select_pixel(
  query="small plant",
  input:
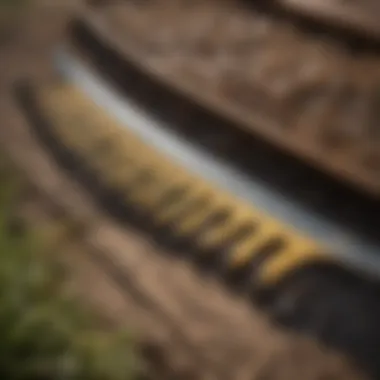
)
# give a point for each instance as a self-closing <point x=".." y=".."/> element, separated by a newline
<point x="44" y="333"/>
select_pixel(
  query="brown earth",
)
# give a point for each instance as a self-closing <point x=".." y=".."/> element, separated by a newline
<point x="194" y="328"/>
<point x="264" y="73"/>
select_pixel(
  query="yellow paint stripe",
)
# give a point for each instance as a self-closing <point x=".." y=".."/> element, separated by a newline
<point x="146" y="197"/>
<point x="293" y="257"/>
<point x="244" y="251"/>
<point x="120" y="157"/>
<point x="217" y="235"/>
<point x="175" y="208"/>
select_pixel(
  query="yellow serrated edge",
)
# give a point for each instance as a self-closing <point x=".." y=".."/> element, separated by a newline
<point x="120" y="157"/>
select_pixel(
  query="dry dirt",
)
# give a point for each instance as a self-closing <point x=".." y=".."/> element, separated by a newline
<point x="192" y="323"/>
<point x="262" y="72"/>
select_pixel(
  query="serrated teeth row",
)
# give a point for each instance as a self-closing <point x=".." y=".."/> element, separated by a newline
<point x="193" y="209"/>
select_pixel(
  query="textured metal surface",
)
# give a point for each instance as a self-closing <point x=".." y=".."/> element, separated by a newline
<point x="341" y="243"/>
<point x="148" y="179"/>
<point x="342" y="240"/>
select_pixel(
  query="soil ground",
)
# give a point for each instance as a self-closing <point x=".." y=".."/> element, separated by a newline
<point x="254" y="69"/>
<point x="193" y="328"/>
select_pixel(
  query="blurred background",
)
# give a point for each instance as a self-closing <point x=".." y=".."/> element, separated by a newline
<point x="93" y="289"/>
